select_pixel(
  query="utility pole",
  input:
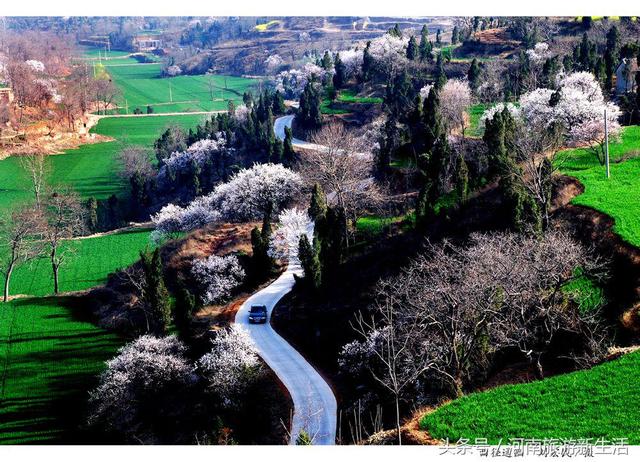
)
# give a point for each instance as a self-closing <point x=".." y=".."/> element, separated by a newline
<point x="606" y="143"/>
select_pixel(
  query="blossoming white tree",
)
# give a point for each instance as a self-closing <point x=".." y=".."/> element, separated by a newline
<point x="493" y="110"/>
<point x="291" y="83"/>
<point x="578" y="106"/>
<point x="455" y="98"/>
<point x="217" y="277"/>
<point x="389" y="51"/>
<point x="273" y="63"/>
<point x="292" y="224"/>
<point x="231" y="365"/>
<point x="248" y="195"/>
<point x="143" y="374"/>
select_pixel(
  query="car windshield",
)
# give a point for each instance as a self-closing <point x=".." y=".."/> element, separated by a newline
<point x="258" y="309"/>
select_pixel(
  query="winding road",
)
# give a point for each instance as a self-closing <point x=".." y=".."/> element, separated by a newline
<point x="314" y="405"/>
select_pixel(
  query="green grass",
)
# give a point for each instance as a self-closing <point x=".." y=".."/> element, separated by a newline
<point x="326" y="107"/>
<point x="475" y="112"/>
<point x="50" y="358"/>
<point x="89" y="263"/>
<point x="350" y="96"/>
<point x="142" y="86"/>
<point x="599" y="402"/>
<point x="92" y="169"/>
<point x="585" y="292"/>
<point x="618" y="196"/>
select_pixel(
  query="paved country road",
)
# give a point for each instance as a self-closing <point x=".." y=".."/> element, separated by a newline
<point x="314" y="405"/>
<point x="286" y="121"/>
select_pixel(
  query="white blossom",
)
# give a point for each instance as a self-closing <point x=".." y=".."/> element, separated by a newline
<point x="253" y="191"/>
<point x="35" y="65"/>
<point x="174" y="70"/>
<point x="231" y="365"/>
<point x="352" y="60"/>
<point x="291" y="83"/>
<point x="241" y="113"/>
<point x="539" y="53"/>
<point x="424" y="91"/>
<point x="455" y="98"/>
<point x="273" y="63"/>
<point x="389" y="50"/>
<point x="493" y="110"/>
<point x="141" y="371"/>
<point x="217" y="277"/>
<point x="292" y="224"/>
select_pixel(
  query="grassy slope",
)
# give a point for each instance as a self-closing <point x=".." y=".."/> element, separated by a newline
<point x="50" y="357"/>
<point x="594" y="403"/>
<point x="618" y="196"/>
<point x="89" y="263"/>
<point x="92" y="168"/>
<point x="141" y="86"/>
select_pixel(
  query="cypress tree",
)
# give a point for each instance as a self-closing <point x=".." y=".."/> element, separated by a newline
<point x="395" y="31"/>
<point x="455" y="35"/>
<point x="288" y="154"/>
<point x="367" y="63"/>
<point x="184" y="308"/>
<point x="156" y="295"/>
<point x="318" y="205"/>
<point x="92" y="214"/>
<point x="339" y="77"/>
<point x="310" y="262"/>
<point x="425" y="46"/>
<point x="474" y="74"/>
<point x="412" y="49"/>
<point x="462" y="179"/>
<point x="327" y="62"/>
<point x="438" y="39"/>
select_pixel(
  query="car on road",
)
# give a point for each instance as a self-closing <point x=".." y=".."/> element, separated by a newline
<point x="258" y="314"/>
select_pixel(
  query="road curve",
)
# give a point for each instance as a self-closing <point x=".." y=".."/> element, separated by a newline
<point x="285" y="121"/>
<point x="314" y="405"/>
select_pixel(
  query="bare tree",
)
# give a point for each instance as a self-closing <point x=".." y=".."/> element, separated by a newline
<point x="64" y="218"/>
<point x="135" y="161"/>
<point x="21" y="238"/>
<point x="447" y="315"/>
<point x="537" y="150"/>
<point x="37" y="169"/>
<point x="106" y="93"/>
<point x="342" y="168"/>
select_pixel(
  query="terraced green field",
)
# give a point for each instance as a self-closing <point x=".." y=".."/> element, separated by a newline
<point x="92" y="169"/>
<point x="601" y="402"/>
<point x="142" y="86"/>
<point x="50" y="356"/>
<point x="618" y="196"/>
<point x="89" y="263"/>
<point x="475" y="112"/>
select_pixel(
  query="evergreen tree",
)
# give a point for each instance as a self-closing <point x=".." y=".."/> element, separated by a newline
<point x="438" y="39"/>
<point x="550" y="70"/>
<point x="412" y="49"/>
<point x="339" y="78"/>
<point x="92" y="214"/>
<point x="474" y="74"/>
<point x="367" y="63"/>
<point x="611" y="56"/>
<point x="310" y="262"/>
<point x="327" y="62"/>
<point x="278" y="107"/>
<point x="462" y="179"/>
<point x="455" y="35"/>
<point x="288" y="154"/>
<point x="309" y="111"/>
<point x="185" y="306"/>
<point x="318" y="205"/>
<point x="155" y="294"/>
<point x="425" y="46"/>
<point x="441" y="76"/>
<point x="395" y="31"/>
